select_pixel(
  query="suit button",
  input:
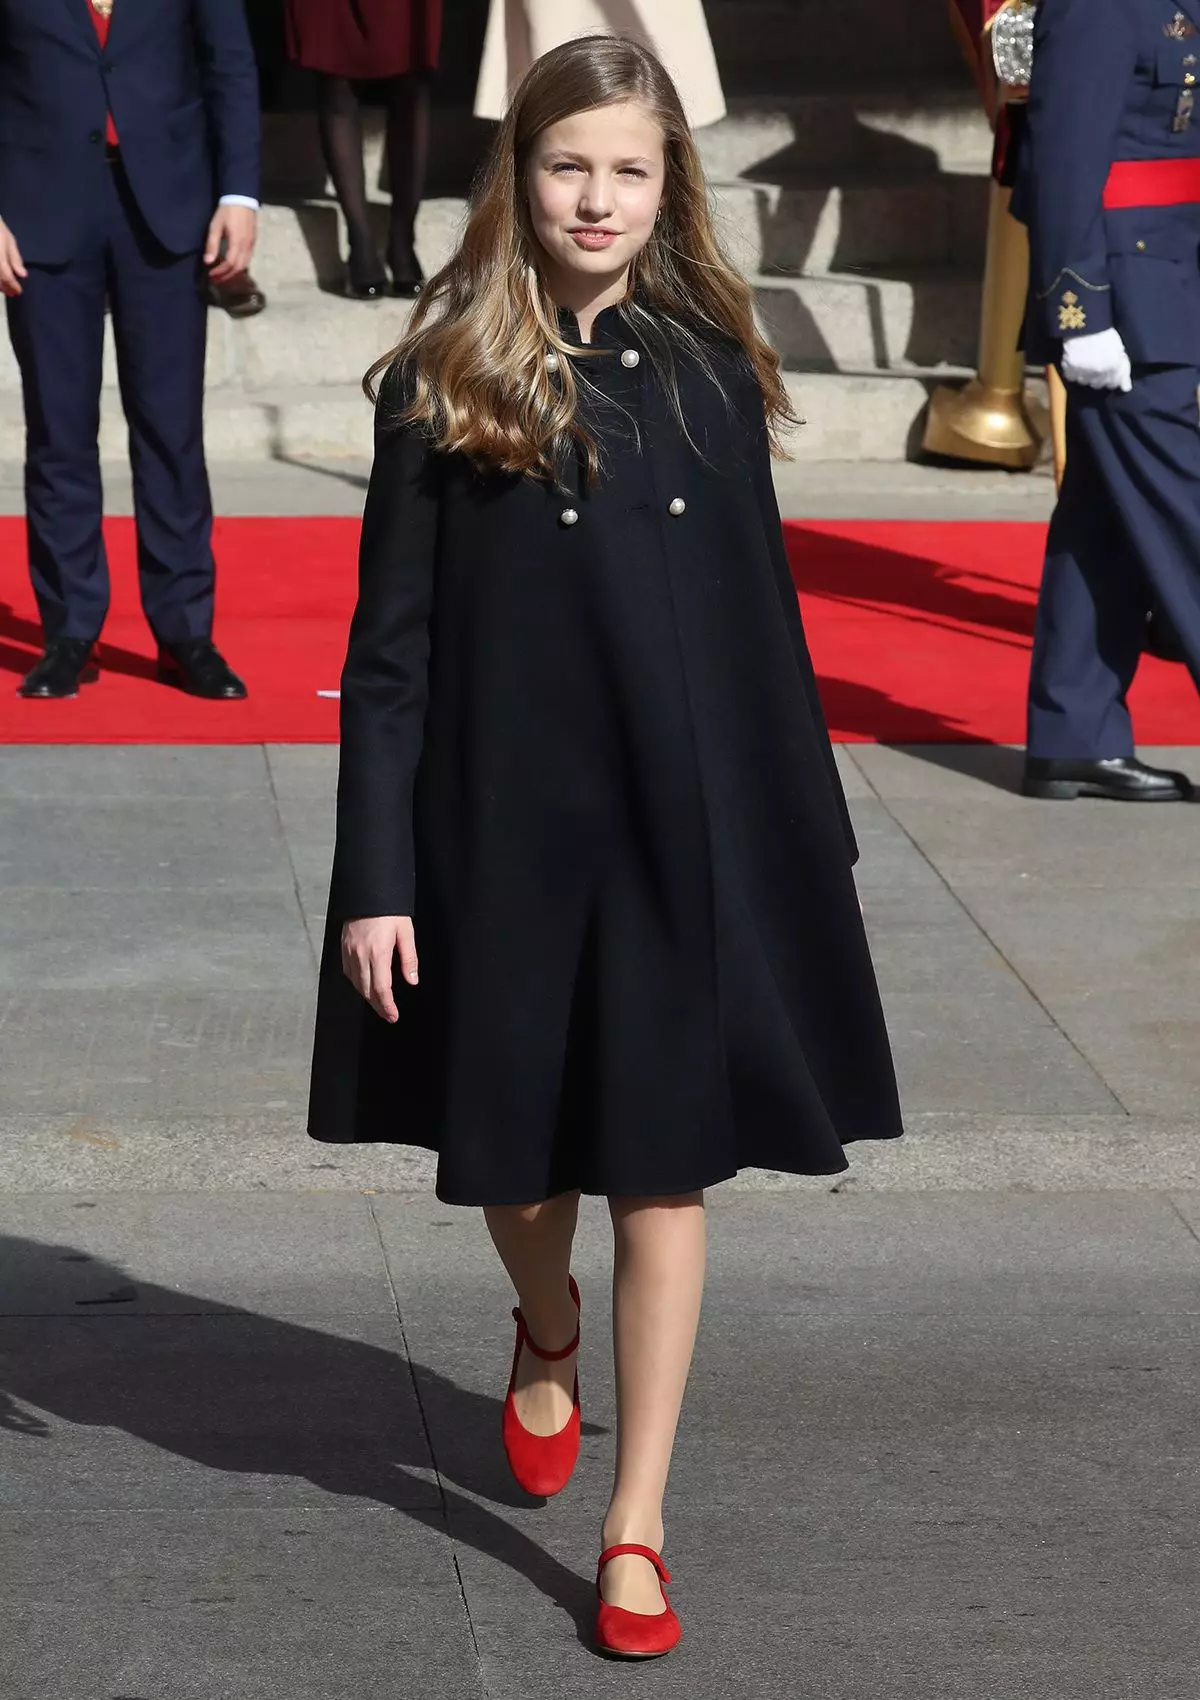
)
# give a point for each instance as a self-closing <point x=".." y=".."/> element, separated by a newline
<point x="677" y="507"/>
<point x="630" y="357"/>
<point x="568" y="516"/>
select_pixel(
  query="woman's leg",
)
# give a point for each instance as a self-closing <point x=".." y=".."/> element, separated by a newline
<point x="534" y="1242"/>
<point x="658" y="1281"/>
<point x="340" y="120"/>
<point x="408" y="160"/>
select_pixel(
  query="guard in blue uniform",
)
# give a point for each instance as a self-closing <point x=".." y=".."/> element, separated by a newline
<point x="1109" y="186"/>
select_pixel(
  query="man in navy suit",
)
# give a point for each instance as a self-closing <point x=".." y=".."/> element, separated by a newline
<point x="1110" y="188"/>
<point x="129" y="174"/>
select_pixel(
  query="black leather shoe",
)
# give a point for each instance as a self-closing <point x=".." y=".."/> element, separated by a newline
<point x="1121" y="778"/>
<point x="65" y="666"/>
<point x="199" y="669"/>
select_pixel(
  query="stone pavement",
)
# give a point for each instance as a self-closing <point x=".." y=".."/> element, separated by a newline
<point x="940" y="1442"/>
<point x="941" y="1436"/>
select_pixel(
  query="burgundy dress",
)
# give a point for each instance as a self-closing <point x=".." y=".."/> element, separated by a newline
<point x="364" y="38"/>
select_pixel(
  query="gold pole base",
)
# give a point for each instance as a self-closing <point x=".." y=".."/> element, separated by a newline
<point x="996" y="427"/>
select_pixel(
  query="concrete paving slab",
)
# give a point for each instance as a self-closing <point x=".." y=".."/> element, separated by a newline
<point x="1058" y="849"/>
<point x="278" y="1255"/>
<point x="305" y="772"/>
<point x="1149" y="1048"/>
<point x="998" y="1053"/>
<point x="112" y="940"/>
<point x="948" y="1152"/>
<point x="215" y="843"/>
<point x="106" y="773"/>
<point x="976" y="1251"/>
<point x="156" y="1052"/>
<point x="204" y="1413"/>
<point x="282" y="1605"/>
<point x="1136" y="950"/>
<point x="982" y="773"/>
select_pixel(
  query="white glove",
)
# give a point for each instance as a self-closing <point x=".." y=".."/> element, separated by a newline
<point x="1098" y="360"/>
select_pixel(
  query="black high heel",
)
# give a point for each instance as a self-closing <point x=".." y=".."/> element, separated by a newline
<point x="408" y="279"/>
<point x="376" y="290"/>
<point x="358" y="288"/>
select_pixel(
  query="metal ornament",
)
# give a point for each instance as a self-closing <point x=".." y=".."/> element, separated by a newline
<point x="1185" y="106"/>
<point x="1012" y="43"/>
<point x="1180" y="28"/>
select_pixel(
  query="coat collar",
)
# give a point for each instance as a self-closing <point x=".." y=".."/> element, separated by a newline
<point x="611" y="325"/>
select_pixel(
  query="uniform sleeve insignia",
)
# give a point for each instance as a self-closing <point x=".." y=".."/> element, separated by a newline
<point x="1071" y="316"/>
<point x="1181" y="28"/>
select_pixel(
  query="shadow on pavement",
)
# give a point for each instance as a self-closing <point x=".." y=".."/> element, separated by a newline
<point x="231" y="1390"/>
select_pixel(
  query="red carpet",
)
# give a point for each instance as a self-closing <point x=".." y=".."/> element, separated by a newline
<point x="920" y="633"/>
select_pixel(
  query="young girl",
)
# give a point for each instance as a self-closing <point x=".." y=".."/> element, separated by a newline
<point x="584" y="772"/>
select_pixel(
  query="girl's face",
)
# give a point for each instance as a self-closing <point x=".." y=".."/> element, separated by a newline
<point x="595" y="184"/>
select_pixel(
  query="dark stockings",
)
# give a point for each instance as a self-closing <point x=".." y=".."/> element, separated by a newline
<point x="340" y="119"/>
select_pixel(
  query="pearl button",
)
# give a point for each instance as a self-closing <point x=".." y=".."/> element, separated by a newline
<point x="677" y="507"/>
<point x="568" y="516"/>
<point x="630" y="357"/>
<point x="552" y="361"/>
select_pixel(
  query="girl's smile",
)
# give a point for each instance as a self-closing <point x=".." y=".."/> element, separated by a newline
<point x="595" y="184"/>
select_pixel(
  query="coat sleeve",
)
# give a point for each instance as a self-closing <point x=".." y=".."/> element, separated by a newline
<point x="230" y="80"/>
<point x="1084" y="56"/>
<point x="384" y="681"/>
<point x="768" y="504"/>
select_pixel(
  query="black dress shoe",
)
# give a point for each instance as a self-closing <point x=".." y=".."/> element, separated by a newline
<point x="63" y="668"/>
<point x="199" y="669"/>
<point x="1121" y="778"/>
<point x="374" y="289"/>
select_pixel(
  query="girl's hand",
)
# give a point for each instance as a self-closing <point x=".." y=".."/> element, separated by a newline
<point x="368" y="947"/>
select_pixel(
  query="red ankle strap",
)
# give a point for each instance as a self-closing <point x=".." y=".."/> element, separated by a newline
<point x="640" y="1552"/>
<point x="539" y="1351"/>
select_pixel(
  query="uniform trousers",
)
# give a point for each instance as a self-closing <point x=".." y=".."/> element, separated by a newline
<point x="1124" y="538"/>
<point x="159" y="321"/>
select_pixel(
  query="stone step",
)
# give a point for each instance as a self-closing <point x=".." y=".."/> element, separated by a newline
<point x="873" y="417"/>
<point x="769" y="138"/>
<point x="830" y="322"/>
<point x="848" y="322"/>
<point x="909" y="221"/>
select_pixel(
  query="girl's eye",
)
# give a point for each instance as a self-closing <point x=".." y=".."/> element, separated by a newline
<point x="633" y="171"/>
<point x="565" y="165"/>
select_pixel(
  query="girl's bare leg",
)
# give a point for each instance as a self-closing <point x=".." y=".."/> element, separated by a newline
<point x="658" y="1281"/>
<point x="534" y="1242"/>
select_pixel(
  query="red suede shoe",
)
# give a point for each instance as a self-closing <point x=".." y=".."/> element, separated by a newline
<point x="542" y="1463"/>
<point x="636" y="1634"/>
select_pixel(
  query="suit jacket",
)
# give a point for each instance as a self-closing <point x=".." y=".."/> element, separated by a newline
<point x="1112" y="80"/>
<point x="179" y="79"/>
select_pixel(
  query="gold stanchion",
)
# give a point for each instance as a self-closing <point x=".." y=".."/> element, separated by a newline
<point x="993" y="419"/>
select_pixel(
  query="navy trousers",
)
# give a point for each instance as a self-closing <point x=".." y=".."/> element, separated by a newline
<point x="1125" y="537"/>
<point x="159" y="321"/>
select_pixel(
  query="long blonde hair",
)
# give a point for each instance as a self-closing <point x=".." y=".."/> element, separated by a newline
<point x="475" y="348"/>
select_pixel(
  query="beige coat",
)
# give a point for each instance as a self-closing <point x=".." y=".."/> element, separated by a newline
<point x="520" y="31"/>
